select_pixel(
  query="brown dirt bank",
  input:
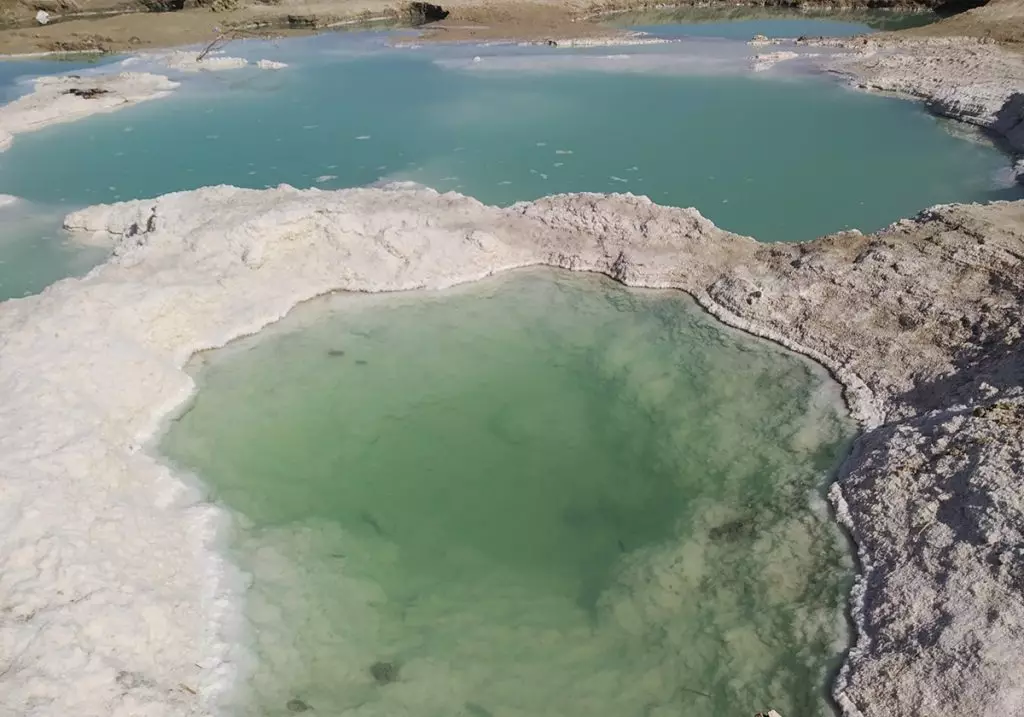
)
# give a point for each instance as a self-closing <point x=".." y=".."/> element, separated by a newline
<point x="124" y="25"/>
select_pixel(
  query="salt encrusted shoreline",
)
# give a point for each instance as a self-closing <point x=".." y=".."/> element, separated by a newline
<point x="969" y="80"/>
<point x="920" y="322"/>
<point x="66" y="98"/>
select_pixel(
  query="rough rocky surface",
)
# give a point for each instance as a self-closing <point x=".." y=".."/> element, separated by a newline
<point x="999" y="20"/>
<point x="921" y="322"/>
<point x="973" y="81"/>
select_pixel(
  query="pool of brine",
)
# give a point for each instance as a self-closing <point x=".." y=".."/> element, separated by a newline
<point x="538" y="495"/>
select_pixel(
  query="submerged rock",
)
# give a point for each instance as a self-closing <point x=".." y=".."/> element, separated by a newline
<point x="297" y="705"/>
<point x="421" y="13"/>
<point x="384" y="673"/>
<point x="478" y="710"/>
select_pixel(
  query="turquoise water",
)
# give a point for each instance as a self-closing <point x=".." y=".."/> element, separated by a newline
<point x="780" y="159"/>
<point x="35" y="252"/>
<point x="539" y="495"/>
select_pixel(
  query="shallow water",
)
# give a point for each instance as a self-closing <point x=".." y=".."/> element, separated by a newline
<point x="35" y="251"/>
<point x="537" y="495"/>
<point x="16" y="75"/>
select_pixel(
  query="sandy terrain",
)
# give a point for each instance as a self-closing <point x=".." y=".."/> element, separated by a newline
<point x="89" y="24"/>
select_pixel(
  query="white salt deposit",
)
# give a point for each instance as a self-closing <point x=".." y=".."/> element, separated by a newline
<point x="119" y="603"/>
<point x="270" y="65"/>
<point x="768" y="60"/>
<point x="189" y="61"/>
<point x="66" y="98"/>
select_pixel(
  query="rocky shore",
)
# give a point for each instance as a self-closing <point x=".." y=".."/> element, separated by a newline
<point x="920" y="322"/>
<point x="971" y="80"/>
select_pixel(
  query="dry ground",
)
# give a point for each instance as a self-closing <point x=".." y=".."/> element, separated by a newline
<point x="118" y="25"/>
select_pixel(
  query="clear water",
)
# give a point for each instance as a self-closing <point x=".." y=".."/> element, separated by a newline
<point x="537" y="495"/>
<point x="780" y="159"/>
<point x="35" y="251"/>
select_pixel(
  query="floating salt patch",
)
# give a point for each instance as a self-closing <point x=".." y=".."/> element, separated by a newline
<point x="363" y="136"/>
<point x="310" y="126"/>
<point x="558" y="164"/>
<point x="543" y="176"/>
<point x="632" y="169"/>
<point x="504" y="182"/>
<point x="191" y="62"/>
<point x="270" y="65"/>
<point x="618" y="179"/>
<point x="563" y="151"/>
<point x="325" y="178"/>
<point x="542" y="144"/>
<point x="1004" y="178"/>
